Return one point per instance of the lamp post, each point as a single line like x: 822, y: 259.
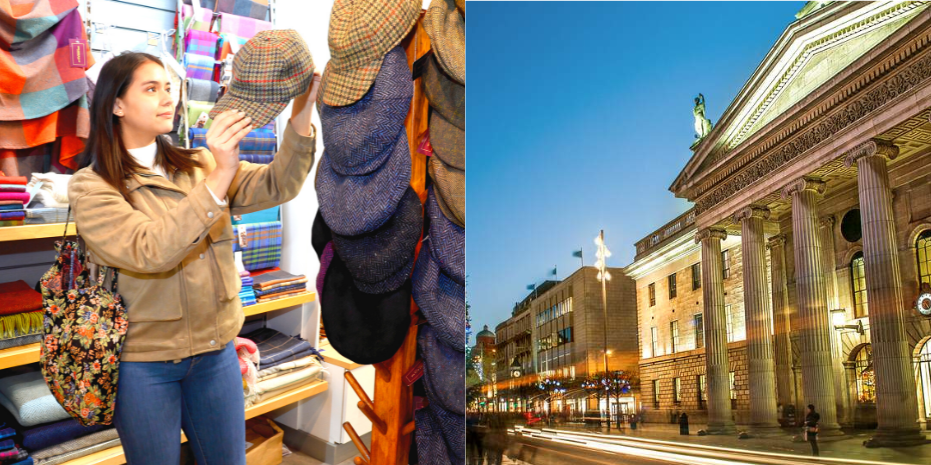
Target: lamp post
x: 601, y: 254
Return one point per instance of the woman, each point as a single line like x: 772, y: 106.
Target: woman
x: 161, y: 216
x: 811, y: 429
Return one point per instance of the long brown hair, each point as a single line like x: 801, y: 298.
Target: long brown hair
x: 105, y: 152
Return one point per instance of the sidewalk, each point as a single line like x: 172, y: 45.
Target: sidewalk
x: 848, y: 446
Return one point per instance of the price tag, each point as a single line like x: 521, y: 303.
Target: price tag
x: 78, y: 53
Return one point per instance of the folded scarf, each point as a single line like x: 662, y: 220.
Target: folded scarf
x: 276, y: 347
x: 246, y: 280
x: 12, y: 216
x: 4, y: 208
x: 262, y: 244
x: 277, y: 392
x: 18, y: 324
x: 259, y: 141
x: 12, y: 223
x: 13, y: 455
x: 198, y: 137
x: 25, y: 395
x: 6, y: 444
x: 285, y: 367
x: 12, y: 188
x: 12, y: 202
x: 21, y: 340
x: 246, y: 28
x: 201, y: 43
x: 282, y: 285
x: 79, y: 447
x: 256, y: 158
x: 201, y: 90
x: 291, y: 287
x: 269, y: 298
x: 18, y: 297
x: 267, y: 278
x: 199, y: 66
x: 53, y: 434
x: 14, y: 180
x: 248, y: 356
x: 229, y: 43
x: 17, y: 196
x: 255, y: 273
x: 287, y: 379
x: 194, y: 111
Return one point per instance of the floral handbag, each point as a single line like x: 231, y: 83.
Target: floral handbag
x: 85, y: 326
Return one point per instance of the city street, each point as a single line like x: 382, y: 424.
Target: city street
x: 556, y: 447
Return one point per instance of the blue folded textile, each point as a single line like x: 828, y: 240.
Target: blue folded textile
x: 276, y: 348
x: 53, y: 434
x: 247, y: 281
x: 262, y: 216
x: 281, y: 289
x: 259, y: 141
x: 6, y: 444
x: 257, y: 158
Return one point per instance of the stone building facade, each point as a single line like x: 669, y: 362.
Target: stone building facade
x: 821, y: 166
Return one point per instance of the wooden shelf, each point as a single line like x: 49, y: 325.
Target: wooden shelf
x: 34, y: 231
x: 279, y: 304
x: 331, y: 356
x: 114, y: 456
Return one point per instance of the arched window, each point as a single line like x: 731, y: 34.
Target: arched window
x: 858, y: 283
x: 923, y: 253
x: 866, y: 381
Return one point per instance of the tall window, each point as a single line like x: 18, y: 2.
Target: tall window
x: 652, y: 291
x: 672, y: 286
x: 674, y: 334
x: 729, y: 323
x: 858, y: 282
x: 655, y: 342
x: 656, y: 393
x: 726, y: 261
x: 923, y: 246
x: 866, y: 380
x: 676, y: 390
x: 733, y: 390
x: 702, y: 395
x: 699, y: 331
x: 696, y: 276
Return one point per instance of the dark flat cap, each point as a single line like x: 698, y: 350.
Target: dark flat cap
x: 447, y: 241
x: 441, y: 299
x: 450, y: 190
x: 444, y: 371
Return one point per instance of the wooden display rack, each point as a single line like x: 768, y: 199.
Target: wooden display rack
x: 392, y: 410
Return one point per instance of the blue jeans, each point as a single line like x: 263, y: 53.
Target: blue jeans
x: 202, y: 395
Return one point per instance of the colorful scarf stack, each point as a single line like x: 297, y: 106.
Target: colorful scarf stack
x: 13, y: 199
x: 285, y: 363
x: 247, y: 293
x: 276, y: 284
x: 21, y: 314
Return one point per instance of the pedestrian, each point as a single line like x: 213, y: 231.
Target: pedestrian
x: 811, y: 429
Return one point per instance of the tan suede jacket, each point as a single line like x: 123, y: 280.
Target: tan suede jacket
x: 174, y: 249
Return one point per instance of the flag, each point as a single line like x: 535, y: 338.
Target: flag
x: 531, y: 287
x: 553, y: 272
x: 577, y: 253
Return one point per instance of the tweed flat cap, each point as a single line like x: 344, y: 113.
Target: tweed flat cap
x: 380, y: 261
x: 447, y: 140
x: 444, y: 371
x: 441, y: 299
x: 270, y: 69
x: 445, y: 95
x: 360, y: 136
x: 450, y: 190
x: 365, y: 328
x: 354, y: 205
x: 440, y: 436
x: 446, y: 28
x: 447, y: 241
x: 320, y: 234
x: 361, y: 33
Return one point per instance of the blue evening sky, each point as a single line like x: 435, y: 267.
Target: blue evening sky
x: 580, y: 118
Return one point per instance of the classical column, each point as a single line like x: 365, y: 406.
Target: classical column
x: 896, y: 402
x: 785, y: 385
x: 717, y: 367
x: 758, y: 319
x: 830, y: 281
x: 815, y: 328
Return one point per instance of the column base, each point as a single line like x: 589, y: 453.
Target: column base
x: 829, y: 430
x: 726, y: 428
x: 897, y: 438
x: 765, y: 430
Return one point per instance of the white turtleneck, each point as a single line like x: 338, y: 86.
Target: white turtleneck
x: 145, y: 156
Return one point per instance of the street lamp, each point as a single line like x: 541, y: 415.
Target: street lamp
x: 601, y: 254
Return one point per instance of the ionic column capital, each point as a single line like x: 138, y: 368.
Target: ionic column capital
x: 710, y: 233
x: 752, y: 211
x: 828, y: 221
x: 802, y: 184
x: 870, y: 148
x: 778, y: 240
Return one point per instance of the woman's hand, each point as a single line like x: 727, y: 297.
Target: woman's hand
x: 303, y: 106
x: 224, y: 135
x: 223, y: 139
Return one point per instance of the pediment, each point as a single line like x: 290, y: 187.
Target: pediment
x: 808, y: 55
